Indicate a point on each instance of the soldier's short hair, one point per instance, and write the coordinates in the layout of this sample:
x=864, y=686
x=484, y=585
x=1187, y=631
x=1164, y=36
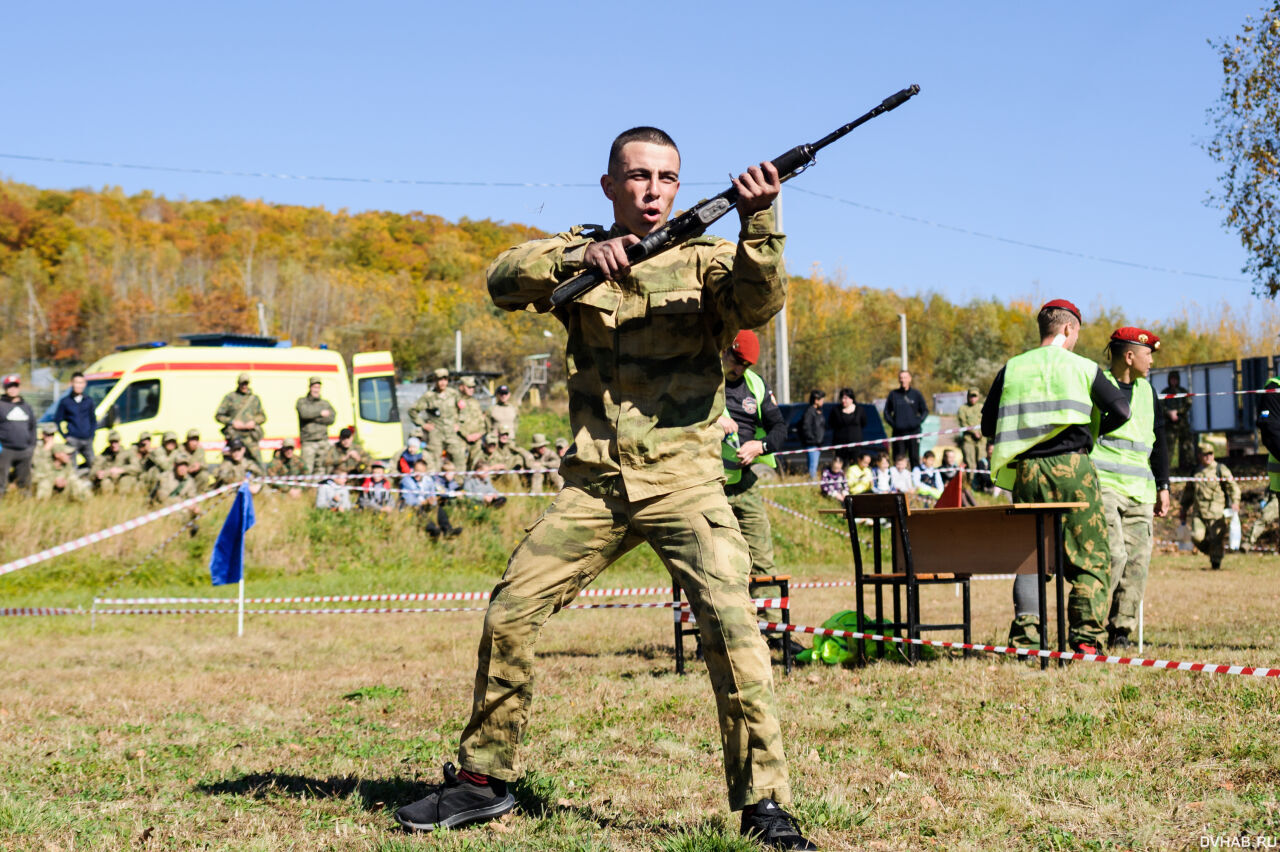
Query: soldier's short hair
x=638, y=134
x=1054, y=320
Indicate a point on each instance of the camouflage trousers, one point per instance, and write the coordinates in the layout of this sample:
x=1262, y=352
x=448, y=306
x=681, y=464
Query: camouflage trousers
x=1210, y=537
x=748, y=507
x=437, y=445
x=580, y=535
x=1067, y=478
x=1129, y=531
x=1269, y=517
x=73, y=487
x=972, y=449
x=313, y=453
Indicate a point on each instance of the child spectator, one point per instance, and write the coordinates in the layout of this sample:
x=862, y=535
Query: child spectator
x=982, y=474
x=950, y=464
x=881, y=479
x=900, y=477
x=420, y=492
x=332, y=495
x=412, y=453
x=448, y=486
x=834, y=482
x=927, y=479
x=860, y=474
x=375, y=491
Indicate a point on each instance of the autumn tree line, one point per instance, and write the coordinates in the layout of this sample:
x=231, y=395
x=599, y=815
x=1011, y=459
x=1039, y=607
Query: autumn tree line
x=83, y=271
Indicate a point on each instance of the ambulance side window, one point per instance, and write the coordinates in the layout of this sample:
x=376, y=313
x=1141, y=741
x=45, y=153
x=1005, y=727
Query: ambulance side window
x=378, y=400
x=140, y=401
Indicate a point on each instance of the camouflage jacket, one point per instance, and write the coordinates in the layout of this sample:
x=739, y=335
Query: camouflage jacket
x=643, y=355
x=230, y=472
x=171, y=489
x=162, y=458
x=439, y=408
x=106, y=460
x=241, y=406
x=1212, y=491
x=470, y=418
x=339, y=458
x=43, y=464
x=970, y=417
x=313, y=425
x=279, y=467
x=504, y=415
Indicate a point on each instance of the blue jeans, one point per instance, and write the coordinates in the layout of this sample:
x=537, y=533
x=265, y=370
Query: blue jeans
x=813, y=453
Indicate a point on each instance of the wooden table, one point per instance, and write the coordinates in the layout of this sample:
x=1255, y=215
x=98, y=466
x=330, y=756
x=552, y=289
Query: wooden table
x=1023, y=538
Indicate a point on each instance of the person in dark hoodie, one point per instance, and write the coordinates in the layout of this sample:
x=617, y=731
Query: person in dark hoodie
x=76, y=420
x=17, y=436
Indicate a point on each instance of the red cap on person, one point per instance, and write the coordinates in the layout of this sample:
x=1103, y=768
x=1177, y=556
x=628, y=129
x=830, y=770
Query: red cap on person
x=12, y=379
x=1141, y=336
x=1065, y=305
x=747, y=345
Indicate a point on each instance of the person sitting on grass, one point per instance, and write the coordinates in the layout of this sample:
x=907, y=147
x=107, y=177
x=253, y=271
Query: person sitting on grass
x=951, y=464
x=926, y=479
x=419, y=490
x=860, y=474
x=412, y=453
x=900, y=477
x=834, y=482
x=881, y=476
x=333, y=495
x=375, y=490
x=478, y=487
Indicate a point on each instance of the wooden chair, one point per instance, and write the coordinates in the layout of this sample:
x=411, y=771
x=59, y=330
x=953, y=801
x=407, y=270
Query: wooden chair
x=900, y=575
x=684, y=629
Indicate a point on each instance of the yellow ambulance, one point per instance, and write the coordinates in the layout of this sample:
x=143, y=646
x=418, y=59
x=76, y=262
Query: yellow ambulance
x=157, y=388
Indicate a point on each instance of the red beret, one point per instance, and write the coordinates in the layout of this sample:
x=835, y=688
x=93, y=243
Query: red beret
x=1129, y=334
x=1065, y=305
x=747, y=345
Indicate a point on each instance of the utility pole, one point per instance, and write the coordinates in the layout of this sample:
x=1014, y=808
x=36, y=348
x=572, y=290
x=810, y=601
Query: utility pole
x=782, y=384
x=903, y=320
x=457, y=351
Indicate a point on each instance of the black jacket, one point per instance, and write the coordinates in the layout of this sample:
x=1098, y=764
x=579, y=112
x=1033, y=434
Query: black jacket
x=905, y=409
x=17, y=424
x=812, y=427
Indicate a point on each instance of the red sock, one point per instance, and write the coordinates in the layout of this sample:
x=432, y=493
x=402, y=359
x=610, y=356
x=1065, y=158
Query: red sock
x=473, y=778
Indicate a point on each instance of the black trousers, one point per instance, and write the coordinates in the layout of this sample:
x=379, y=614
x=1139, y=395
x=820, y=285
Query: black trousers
x=909, y=447
x=18, y=462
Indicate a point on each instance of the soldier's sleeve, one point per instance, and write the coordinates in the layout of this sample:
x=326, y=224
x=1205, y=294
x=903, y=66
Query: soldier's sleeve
x=1110, y=400
x=1233, y=487
x=333, y=413
x=225, y=411
x=131, y=464
x=298, y=406
x=1160, y=449
x=745, y=283
x=259, y=415
x=775, y=425
x=417, y=409
x=523, y=277
x=991, y=407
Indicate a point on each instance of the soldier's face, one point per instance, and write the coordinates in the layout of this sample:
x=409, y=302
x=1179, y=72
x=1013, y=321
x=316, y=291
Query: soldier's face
x=314, y=391
x=441, y=384
x=643, y=186
x=1140, y=360
x=734, y=366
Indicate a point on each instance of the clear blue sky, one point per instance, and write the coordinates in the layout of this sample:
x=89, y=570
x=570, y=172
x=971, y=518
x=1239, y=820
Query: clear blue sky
x=1074, y=126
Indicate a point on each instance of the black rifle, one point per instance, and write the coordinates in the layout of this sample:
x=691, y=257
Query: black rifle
x=696, y=220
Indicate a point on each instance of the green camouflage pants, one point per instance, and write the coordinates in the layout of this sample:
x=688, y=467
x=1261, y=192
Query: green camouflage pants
x=580, y=535
x=1269, y=517
x=454, y=447
x=973, y=450
x=1129, y=533
x=1210, y=537
x=748, y=508
x=1069, y=478
x=74, y=488
x=313, y=453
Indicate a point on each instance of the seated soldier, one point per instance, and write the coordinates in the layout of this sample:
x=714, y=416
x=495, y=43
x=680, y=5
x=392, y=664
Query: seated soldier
x=109, y=465
x=176, y=484
x=236, y=465
x=514, y=461
x=346, y=455
x=545, y=463
x=51, y=469
x=197, y=466
x=284, y=464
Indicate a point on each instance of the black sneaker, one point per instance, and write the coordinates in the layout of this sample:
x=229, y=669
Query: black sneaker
x=773, y=826
x=1121, y=642
x=456, y=803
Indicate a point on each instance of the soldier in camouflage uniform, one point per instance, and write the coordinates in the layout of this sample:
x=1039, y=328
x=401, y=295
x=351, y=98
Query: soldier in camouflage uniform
x=972, y=445
x=315, y=416
x=151, y=464
x=513, y=459
x=346, y=455
x=503, y=412
x=645, y=389
x=1038, y=415
x=436, y=413
x=471, y=420
x=197, y=464
x=241, y=415
x=109, y=465
x=136, y=465
x=176, y=484
x=544, y=459
x=285, y=463
x=162, y=457
x=236, y=464
x=51, y=468
x=1206, y=500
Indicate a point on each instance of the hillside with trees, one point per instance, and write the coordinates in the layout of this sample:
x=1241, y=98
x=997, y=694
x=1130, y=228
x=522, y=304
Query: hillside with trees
x=82, y=271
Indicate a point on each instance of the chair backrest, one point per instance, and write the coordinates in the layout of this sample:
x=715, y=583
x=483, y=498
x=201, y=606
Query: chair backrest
x=876, y=507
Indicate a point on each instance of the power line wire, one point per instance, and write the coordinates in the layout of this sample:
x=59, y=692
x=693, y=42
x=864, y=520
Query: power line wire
x=553, y=185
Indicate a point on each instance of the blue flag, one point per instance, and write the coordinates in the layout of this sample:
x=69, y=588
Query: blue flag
x=227, y=563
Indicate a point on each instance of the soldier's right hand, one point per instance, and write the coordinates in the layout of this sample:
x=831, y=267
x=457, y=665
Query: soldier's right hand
x=610, y=256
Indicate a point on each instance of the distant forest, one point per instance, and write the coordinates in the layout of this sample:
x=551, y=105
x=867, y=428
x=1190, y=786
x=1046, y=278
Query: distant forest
x=82, y=271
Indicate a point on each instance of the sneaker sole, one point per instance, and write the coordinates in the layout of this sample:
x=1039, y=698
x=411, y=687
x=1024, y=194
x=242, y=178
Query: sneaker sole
x=497, y=809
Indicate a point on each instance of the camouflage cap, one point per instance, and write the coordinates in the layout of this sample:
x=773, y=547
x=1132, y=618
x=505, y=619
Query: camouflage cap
x=235, y=444
x=114, y=435
x=314, y=380
x=145, y=437
x=169, y=436
x=48, y=429
x=467, y=381
x=539, y=441
x=442, y=373
x=181, y=459
x=562, y=443
x=242, y=379
x=504, y=430
x=62, y=450
x=193, y=434
x=974, y=392
x=489, y=438
x=1206, y=447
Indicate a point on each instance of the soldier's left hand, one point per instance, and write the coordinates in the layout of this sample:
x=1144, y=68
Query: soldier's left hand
x=726, y=423
x=1162, y=503
x=749, y=451
x=757, y=187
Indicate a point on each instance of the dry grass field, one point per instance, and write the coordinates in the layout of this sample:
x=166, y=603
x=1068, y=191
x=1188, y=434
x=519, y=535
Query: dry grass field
x=168, y=732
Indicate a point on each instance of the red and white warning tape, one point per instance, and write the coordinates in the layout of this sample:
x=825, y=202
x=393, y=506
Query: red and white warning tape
x=230, y=609
x=110, y=532
x=1209, y=668
x=40, y=610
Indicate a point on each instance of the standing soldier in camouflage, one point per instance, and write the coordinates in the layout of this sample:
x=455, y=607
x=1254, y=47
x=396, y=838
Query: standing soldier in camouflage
x=1177, y=414
x=1133, y=474
x=753, y=427
x=109, y=465
x=471, y=420
x=242, y=416
x=315, y=416
x=972, y=445
x=503, y=413
x=51, y=468
x=236, y=464
x=645, y=389
x=1206, y=500
x=1038, y=416
x=176, y=484
x=546, y=464
x=436, y=412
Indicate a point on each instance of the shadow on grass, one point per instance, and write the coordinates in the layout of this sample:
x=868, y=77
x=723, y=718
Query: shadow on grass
x=375, y=793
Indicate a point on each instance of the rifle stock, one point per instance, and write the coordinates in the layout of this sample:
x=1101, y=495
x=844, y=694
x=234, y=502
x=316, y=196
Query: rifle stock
x=697, y=219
